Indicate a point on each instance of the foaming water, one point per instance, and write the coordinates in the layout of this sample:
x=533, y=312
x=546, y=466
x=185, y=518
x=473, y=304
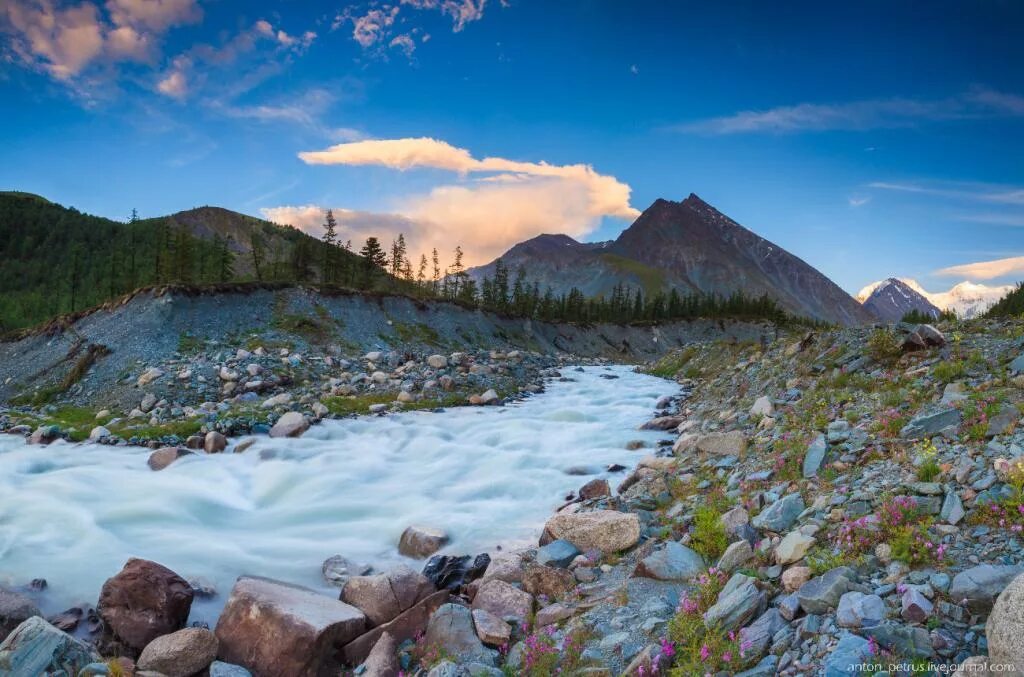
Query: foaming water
x=73, y=513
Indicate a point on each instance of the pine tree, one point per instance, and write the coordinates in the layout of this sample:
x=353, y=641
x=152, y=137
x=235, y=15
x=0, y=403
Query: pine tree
x=398, y=251
x=436, y=279
x=328, y=274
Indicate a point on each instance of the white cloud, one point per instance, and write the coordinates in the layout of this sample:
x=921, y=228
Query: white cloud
x=154, y=15
x=977, y=103
x=373, y=25
x=858, y=201
x=174, y=85
x=405, y=43
x=508, y=200
x=986, y=270
x=962, y=190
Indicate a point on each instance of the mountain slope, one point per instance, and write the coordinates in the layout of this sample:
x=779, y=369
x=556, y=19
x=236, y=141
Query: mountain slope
x=966, y=299
x=893, y=298
x=691, y=247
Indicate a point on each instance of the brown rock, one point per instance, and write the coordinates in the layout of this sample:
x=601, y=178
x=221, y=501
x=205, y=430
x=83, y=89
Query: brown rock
x=595, y=489
x=505, y=601
x=407, y=625
x=552, y=614
x=163, y=457
x=384, y=596
x=14, y=608
x=794, y=577
x=549, y=581
x=383, y=659
x=420, y=542
x=491, y=629
x=143, y=601
x=214, y=443
x=180, y=654
x=604, y=530
x=291, y=424
x=282, y=630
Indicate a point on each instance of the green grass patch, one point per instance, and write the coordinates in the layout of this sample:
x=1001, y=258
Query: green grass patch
x=671, y=364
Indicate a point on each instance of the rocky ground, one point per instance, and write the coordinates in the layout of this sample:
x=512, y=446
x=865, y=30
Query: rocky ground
x=832, y=503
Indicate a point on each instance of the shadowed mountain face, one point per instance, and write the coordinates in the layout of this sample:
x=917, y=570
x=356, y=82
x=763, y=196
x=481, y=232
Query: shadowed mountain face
x=689, y=246
x=893, y=299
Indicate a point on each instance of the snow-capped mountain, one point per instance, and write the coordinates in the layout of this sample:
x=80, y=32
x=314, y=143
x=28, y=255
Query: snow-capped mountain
x=892, y=299
x=967, y=299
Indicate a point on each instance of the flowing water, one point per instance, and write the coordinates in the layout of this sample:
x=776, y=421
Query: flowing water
x=73, y=513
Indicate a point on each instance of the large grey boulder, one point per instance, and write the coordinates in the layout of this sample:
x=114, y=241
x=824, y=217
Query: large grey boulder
x=180, y=654
x=291, y=424
x=674, y=562
x=37, y=648
x=451, y=627
x=814, y=456
x=979, y=586
x=737, y=604
x=14, y=610
x=932, y=423
x=851, y=652
x=1005, y=626
x=732, y=443
x=822, y=593
x=858, y=610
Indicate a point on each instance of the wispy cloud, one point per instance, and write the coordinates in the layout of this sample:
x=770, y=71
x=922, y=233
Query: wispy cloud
x=858, y=201
x=986, y=270
x=862, y=115
x=960, y=190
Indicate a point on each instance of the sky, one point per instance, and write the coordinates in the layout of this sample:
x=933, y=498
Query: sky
x=871, y=139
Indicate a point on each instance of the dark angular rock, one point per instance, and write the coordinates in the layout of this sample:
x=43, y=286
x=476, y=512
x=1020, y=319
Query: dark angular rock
x=449, y=572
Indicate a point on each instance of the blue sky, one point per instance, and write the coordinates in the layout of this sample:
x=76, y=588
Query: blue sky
x=871, y=140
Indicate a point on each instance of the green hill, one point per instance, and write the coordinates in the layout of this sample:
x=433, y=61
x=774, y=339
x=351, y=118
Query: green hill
x=59, y=260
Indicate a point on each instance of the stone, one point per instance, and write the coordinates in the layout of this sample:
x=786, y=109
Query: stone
x=505, y=601
x=605, y=530
x=437, y=361
x=978, y=587
x=553, y=613
x=551, y=582
x=794, y=577
x=673, y=562
x=857, y=610
x=163, y=457
x=1017, y=365
x=665, y=423
x=932, y=337
x=780, y=515
x=384, y=596
x=291, y=424
x=914, y=606
x=933, y=423
x=491, y=629
x=758, y=635
x=98, y=433
x=1005, y=626
x=733, y=443
x=952, y=508
x=449, y=572
x=793, y=547
x=383, y=658
x=734, y=519
x=419, y=542
x=143, y=601
x=407, y=626
x=214, y=442
x=489, y=397
x=338, y=569
x=815, y=456
x=149, y=376
x=762, y=407
x=737, y=604
x=35, y=647
x=847, y=656
x=275, y=628
x=1004, y=421
x=902, y=640
x=451, y=627
x=44, y=434
x=557, y=553
x=15, y=609
x=180, y=654
x=822, y=593
x=736, y=555
x=597, y=488
x=148, y=402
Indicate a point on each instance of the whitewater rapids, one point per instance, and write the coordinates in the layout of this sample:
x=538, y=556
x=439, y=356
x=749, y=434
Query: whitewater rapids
x=489, y=476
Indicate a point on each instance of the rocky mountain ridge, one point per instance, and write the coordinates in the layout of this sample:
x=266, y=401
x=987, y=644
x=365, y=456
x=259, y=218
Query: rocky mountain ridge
x=893, y=298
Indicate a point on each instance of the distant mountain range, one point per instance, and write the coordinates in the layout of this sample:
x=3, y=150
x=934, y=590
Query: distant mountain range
x=689, y=246
x=966, y=299
x=892, y=299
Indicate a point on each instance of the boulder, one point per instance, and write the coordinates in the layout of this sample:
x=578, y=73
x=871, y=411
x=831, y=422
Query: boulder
x=383, y=659
x=180, y=654
x=736, y=555
x=595, y=489
x=437, y=361
x=915, y=607
x=214, y=442
x=553, y=613
x=505, y=601
x=932, y=337
x=780, y=515
x=900, y=639
x=163, y=457
x=37, y=648
x=143, y=601
x=857, y=610
x=338, y=569
x=762, y=407
x=674, y=562
x=489, y=397
x=148, y=376
x=419, y=542
x=1005, y=626
x=491, y=629
x=820, y=594
x=733, y=443
x=451, y=627
x=1017, y=365
x=14, y=610
x=979, y=586
x=291, y=424
x=663, y=423
x=932, y=423
x=275, y=628
x=847, y=656
x=408, y=625
x=604, y=530
x=794, y=577
x=98, y=433
x=222, y=669
x=384, y=596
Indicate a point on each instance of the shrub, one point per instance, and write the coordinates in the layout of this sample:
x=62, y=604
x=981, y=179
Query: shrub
x=708, y=537
x=929, y=468
x=698, y=649
x=883, y=345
